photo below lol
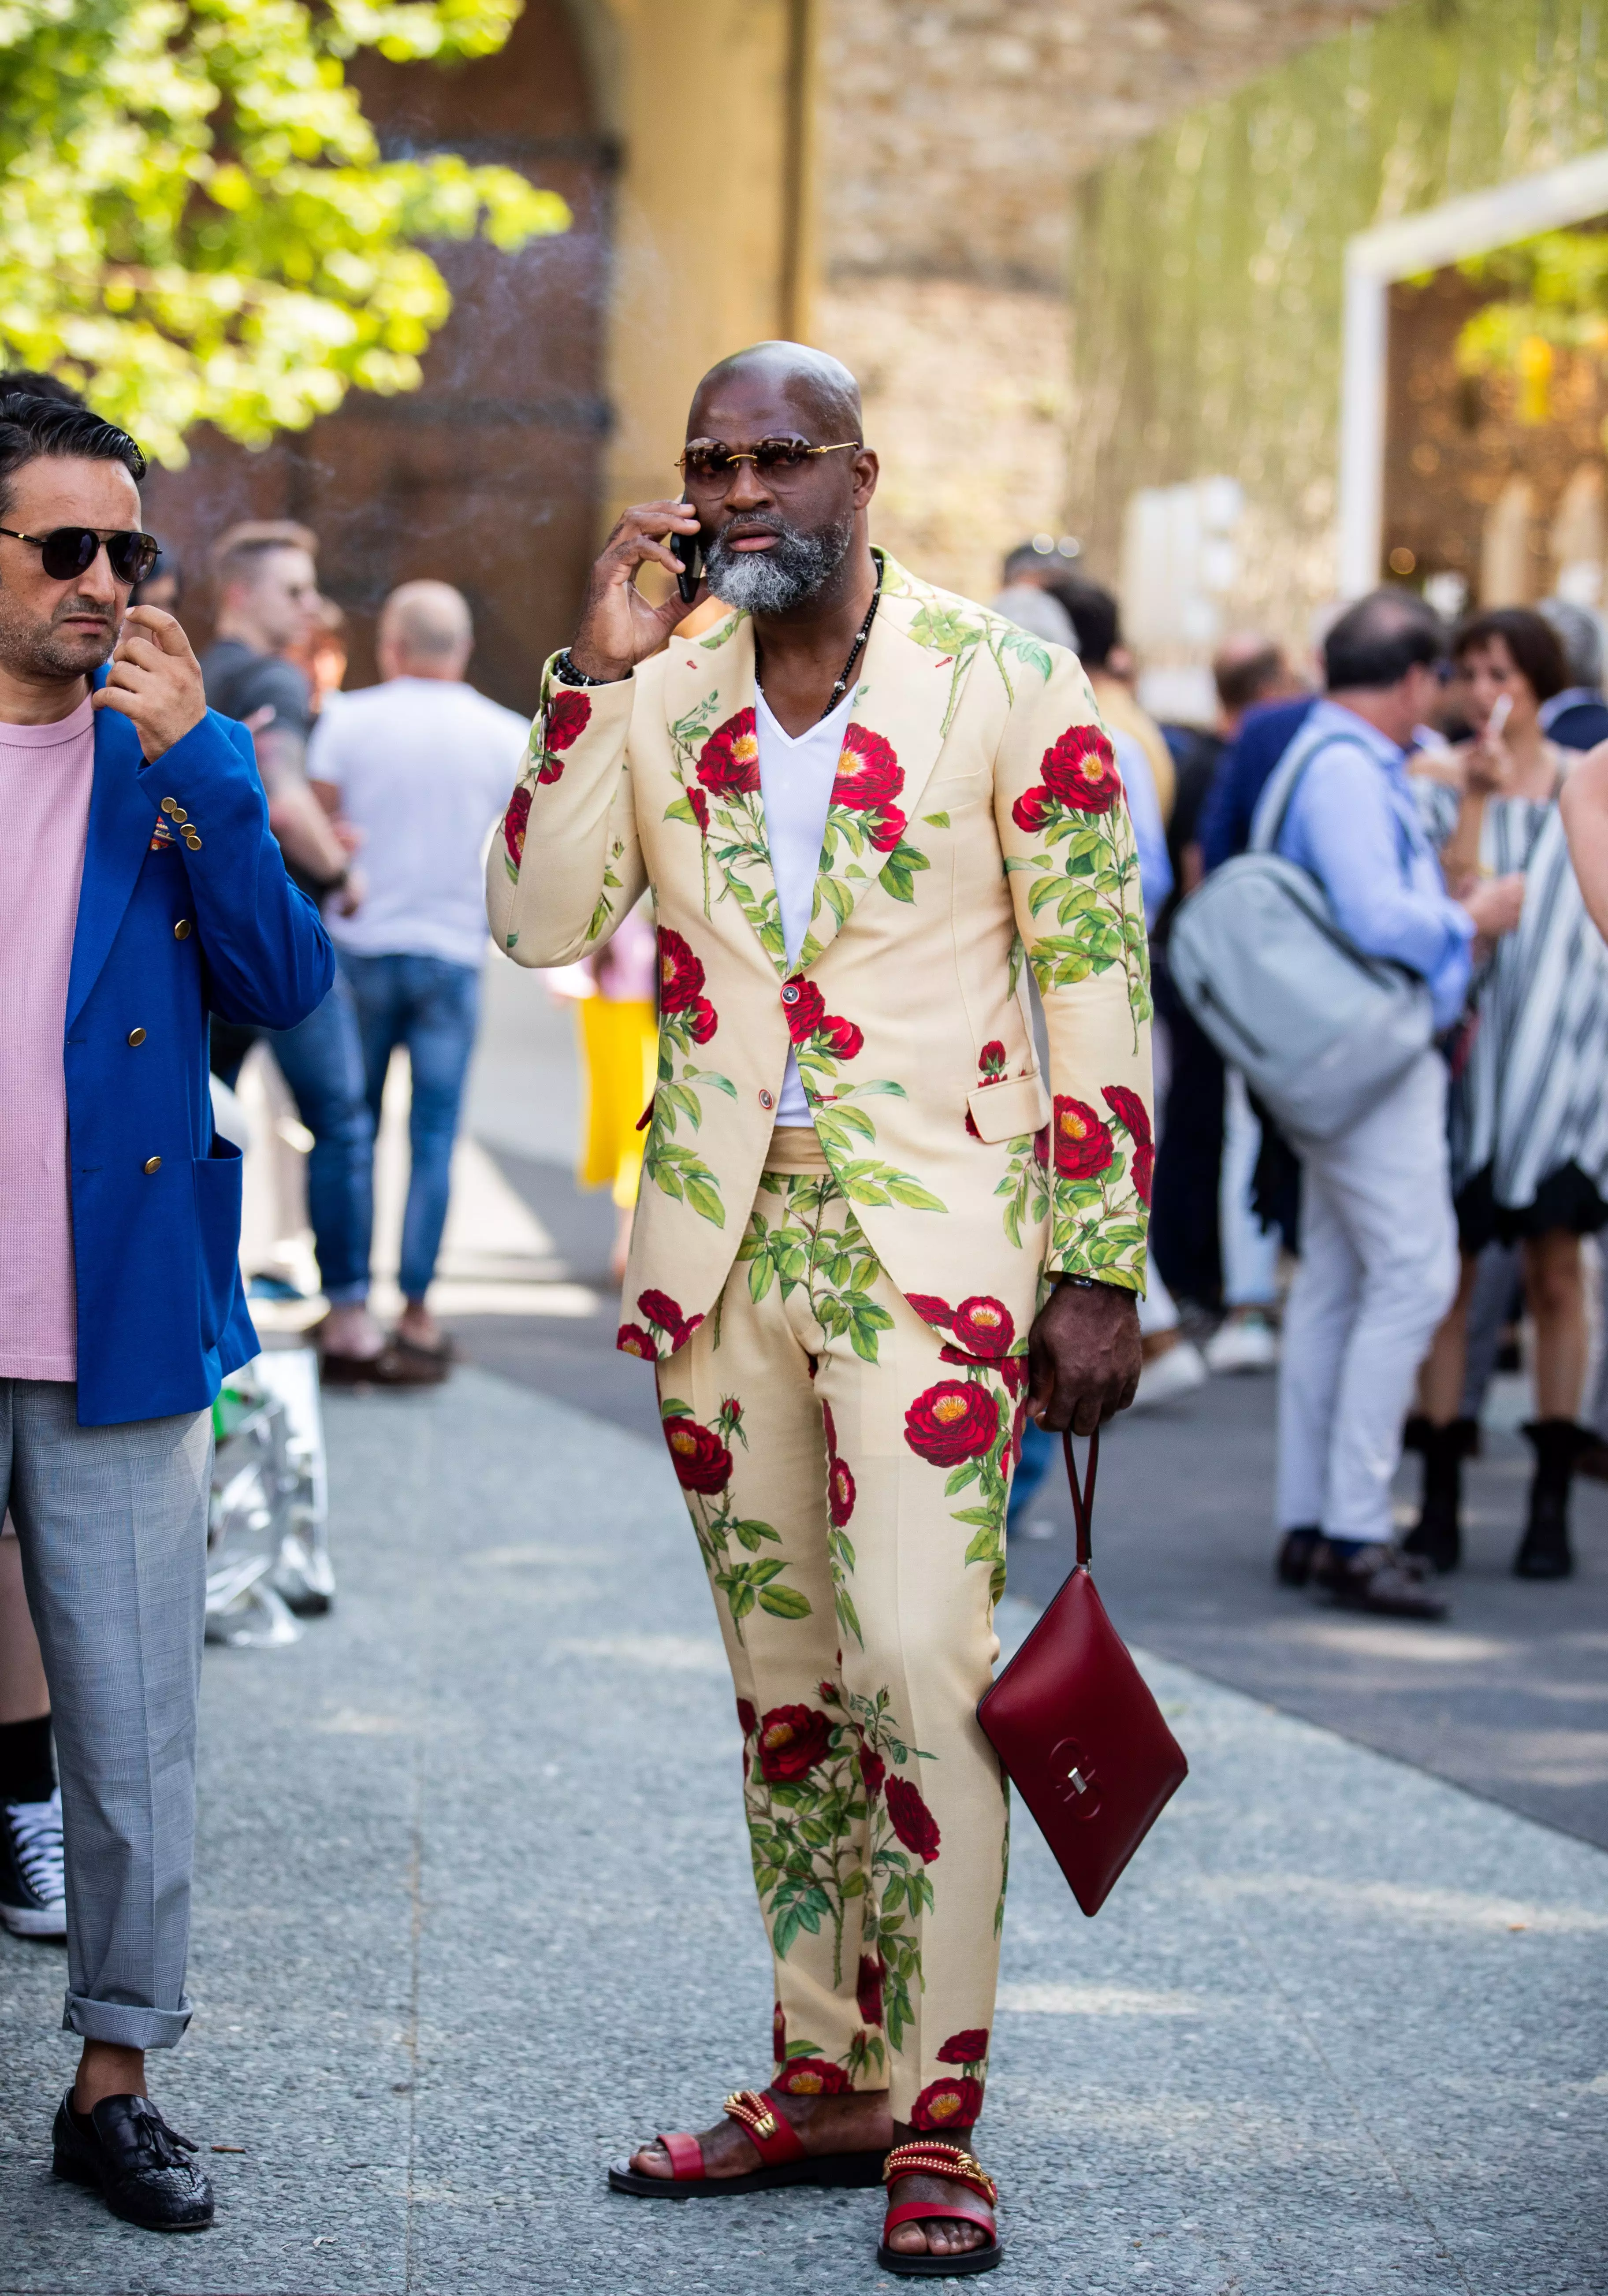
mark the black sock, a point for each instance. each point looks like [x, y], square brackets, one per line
[26, 1773]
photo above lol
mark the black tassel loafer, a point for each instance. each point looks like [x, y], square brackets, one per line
[140, 2167]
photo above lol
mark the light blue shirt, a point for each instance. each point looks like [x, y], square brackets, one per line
[1352, 823]
[1144, 812]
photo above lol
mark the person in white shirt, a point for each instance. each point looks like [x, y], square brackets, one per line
[422, 766]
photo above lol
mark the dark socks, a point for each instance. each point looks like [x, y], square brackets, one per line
[26, 1772]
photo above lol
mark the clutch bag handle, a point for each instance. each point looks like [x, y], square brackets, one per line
[1083, 1495]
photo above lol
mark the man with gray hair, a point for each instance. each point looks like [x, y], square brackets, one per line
[1577, 719]
[422, 766]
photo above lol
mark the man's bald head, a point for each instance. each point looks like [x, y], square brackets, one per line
[425, 631]
[807, 387]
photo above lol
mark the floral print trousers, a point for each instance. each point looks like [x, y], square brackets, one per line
[847, 1471]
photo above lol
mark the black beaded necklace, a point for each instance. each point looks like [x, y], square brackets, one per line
[841, 686]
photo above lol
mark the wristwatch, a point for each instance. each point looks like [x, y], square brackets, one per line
[566, 673]
[1095, 1283]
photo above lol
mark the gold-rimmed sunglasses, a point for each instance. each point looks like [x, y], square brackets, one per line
[705, 460]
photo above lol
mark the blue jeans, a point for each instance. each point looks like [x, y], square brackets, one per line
[321, 1059]
[432, 1006]
[1039, 1452]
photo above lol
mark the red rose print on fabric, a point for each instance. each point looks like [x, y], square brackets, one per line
[1033, 810]
[954, 1421]
[812, 2077]
[991, 1061]
[984, 1327]
[1014, 1371]
[808, 1021]
[681, 986]
[931, 1309]
[569, 714]
[967, 2048]
[913, 1821]
[513, 824]
[633, 1340]
[807, 1011]
[1131, 1114]
[885, 827]
[747, 1717]
[699, 807]
[729, 761]
[947, 2104]
[1041, 1146]
[792, 1739]
[657, 1309]
[868, 1989]
[1084, 1146]
[1080, 769]
[778, 2034]
[869, 773]
[873, 1769]
[701, 1459]
[839, 1492]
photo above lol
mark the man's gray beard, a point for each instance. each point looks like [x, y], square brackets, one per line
[30, 648]
[774, 581]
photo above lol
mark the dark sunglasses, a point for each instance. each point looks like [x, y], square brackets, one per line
[706, 462]
[66, 551]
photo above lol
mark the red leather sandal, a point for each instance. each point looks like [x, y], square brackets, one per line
[926, 2157]
[783, 2159]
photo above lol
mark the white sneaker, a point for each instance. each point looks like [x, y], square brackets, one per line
[1177, 1371]
[1243, 1343]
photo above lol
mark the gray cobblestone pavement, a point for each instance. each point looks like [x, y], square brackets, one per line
[474, 1911]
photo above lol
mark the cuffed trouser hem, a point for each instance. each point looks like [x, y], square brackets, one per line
[347, 1295]
[125, 2027]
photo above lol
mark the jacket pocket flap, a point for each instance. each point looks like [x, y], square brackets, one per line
[1004, 1112]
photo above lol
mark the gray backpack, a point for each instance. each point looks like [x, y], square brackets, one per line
[1320, 1030]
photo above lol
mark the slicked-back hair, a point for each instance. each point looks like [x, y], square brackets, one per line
[39, 385]
[1529, 639]
[1377, 641]
[32, 426]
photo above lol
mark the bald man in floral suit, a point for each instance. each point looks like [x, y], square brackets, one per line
[871, 1233]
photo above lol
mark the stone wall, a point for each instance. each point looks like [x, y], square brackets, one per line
[950, 134]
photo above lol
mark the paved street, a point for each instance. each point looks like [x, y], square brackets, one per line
[475, 1910]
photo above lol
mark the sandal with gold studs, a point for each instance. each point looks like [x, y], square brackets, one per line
[926, 2157]
[783, 2159]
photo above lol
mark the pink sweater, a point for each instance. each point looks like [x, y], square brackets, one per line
[45, 772]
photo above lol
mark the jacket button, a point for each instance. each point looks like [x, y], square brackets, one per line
[170, 808]
[789, 995]
[137, 1036]
[153, 1164]
[192, 840]
[180, 931]
[765, 1101]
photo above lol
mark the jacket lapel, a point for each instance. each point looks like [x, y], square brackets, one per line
[121, 815]
[891, 746]
[708, 705]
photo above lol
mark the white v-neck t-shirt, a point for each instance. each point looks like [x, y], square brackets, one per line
[795, 782]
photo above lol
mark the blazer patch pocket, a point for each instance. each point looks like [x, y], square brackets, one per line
[1004, 1112]
[218, 1178]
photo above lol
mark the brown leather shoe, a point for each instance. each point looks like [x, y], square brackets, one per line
[1381, 1579]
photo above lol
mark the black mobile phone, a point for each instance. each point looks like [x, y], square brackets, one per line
[688, 549]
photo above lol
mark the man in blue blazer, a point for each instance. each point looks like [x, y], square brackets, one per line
[140, 891]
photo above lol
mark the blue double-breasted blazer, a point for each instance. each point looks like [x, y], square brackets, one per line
[176, 918]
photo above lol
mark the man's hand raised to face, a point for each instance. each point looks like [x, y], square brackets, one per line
[1083, 1357]
[155, 679]
[618, 627]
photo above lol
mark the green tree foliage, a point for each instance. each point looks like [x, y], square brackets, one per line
[195, 223]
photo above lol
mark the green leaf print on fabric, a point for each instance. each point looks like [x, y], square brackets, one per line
[1092, 886]
[811, 1238]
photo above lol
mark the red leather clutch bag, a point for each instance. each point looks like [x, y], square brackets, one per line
[1076, 1731]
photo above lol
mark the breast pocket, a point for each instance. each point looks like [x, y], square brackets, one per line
[218, 1182]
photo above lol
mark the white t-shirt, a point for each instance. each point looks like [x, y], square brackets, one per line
[795, 782]
[424, 765]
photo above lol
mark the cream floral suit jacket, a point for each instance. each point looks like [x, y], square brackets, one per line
[976, 825]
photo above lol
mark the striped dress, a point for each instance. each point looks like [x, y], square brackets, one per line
[1532, 1094]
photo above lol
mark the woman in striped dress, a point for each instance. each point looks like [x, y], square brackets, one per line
[1530, 1096]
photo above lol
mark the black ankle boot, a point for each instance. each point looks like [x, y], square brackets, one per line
[1438, 1534]
[1544, 1551]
